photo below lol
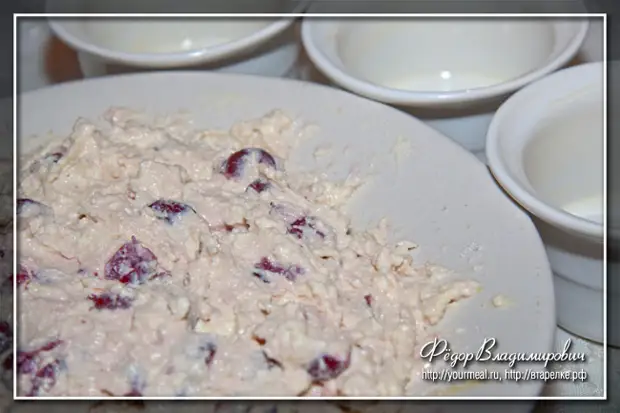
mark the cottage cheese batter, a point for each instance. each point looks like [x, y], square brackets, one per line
[160, 261]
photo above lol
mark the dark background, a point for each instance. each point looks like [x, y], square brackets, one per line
[8, 7]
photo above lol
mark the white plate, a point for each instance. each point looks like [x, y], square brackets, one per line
[439, 196]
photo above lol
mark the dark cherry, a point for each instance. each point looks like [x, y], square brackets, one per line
[109, 301]
[48, 371]
[210, 349]
[43, 377]
[24, 275]
[168, 210]
[301, 226]
[327, 367]
[50, 345]
[368, 298]
[265, 265]
[260, 185]
[26, 359]
[234, 164]
[133, 263]
[26, 363]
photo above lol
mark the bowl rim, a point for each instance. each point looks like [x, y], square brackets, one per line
[189, 57]
[503, 174]
[430, 98]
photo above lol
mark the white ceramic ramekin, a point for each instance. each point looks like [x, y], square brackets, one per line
[451, 73]
[243, 45]
[545, 147]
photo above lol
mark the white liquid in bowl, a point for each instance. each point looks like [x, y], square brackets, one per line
[443, 55]
[563, 160]
[590, 208]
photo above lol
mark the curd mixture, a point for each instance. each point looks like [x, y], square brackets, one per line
[158, 260]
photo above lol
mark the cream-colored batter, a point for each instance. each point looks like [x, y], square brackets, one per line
[161, 261]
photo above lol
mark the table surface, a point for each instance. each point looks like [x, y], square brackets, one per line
[44, 60]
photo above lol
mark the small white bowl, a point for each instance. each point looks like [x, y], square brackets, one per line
[545, 147]
[253, 46]
[451, 73]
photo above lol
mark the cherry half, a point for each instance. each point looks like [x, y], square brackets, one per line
[234, 165]
[304, 226]
[265, 266]
[110, 301]
[210, 350]
[24, 275]
[41, 377]
[168, 210]
[133, 263]
[327, 367]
